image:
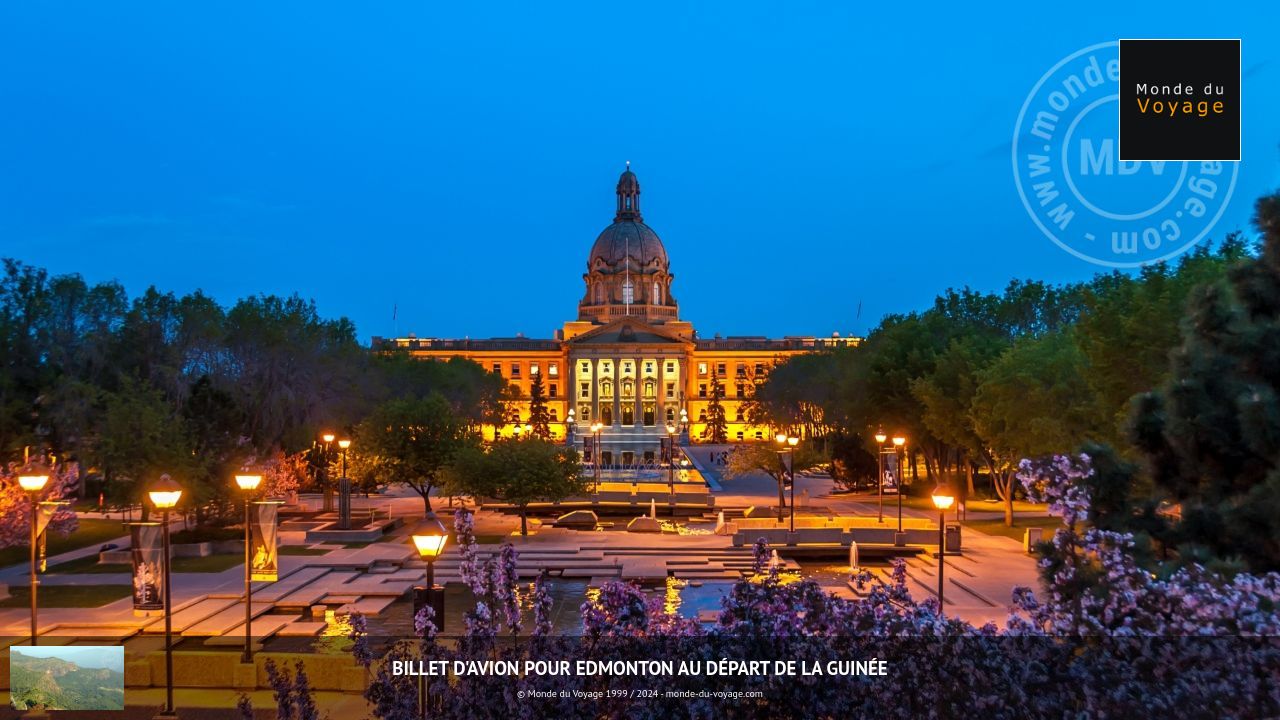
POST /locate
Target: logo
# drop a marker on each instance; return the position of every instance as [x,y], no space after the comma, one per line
[1082,196]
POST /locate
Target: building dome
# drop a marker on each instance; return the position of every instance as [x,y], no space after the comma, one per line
[628,272]
[628,239]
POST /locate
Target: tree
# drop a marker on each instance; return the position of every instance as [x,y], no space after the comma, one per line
[518,472]
[1210,436]
[717,429]
[140,438]
[1033,400]
[748,458]
[412,441]
[539,416]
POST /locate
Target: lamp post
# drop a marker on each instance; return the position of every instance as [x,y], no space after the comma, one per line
[164,496]
[327,499]
[33,483]
[942,501]
[788,451]
[595,431]
[898,442]
[248,483]
[684,425]
[880,438]
[429,539]
[671,466]
[569,421]
[344,489]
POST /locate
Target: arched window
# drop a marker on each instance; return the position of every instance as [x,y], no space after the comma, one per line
[628,388]
[650,389]
[599,290]
[657,293]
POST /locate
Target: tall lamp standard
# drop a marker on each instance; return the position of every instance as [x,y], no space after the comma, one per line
[569,421]
[327,500]
[898,442]
[942,501]
[164,496]
[880,438]
[597,455]
[248,484]
[671,466]
[344,489]
[429,539]
[788,451]
[33,483]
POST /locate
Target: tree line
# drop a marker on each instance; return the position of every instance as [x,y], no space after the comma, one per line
[1168,377]
[162,383]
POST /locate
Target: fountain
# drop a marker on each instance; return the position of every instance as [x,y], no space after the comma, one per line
[775,562]
[720,522]
[853,557]
[653,509]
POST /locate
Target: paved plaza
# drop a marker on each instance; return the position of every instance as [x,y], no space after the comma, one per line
[368,578]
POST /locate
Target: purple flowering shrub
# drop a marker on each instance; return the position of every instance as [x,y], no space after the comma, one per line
[1104,638]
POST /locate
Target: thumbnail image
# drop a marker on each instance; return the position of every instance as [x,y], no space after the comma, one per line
[67,678]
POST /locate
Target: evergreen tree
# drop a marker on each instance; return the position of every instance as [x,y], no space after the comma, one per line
[539,417]
[717,430]
[1211,434]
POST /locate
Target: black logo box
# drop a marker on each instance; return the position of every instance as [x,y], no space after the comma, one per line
[1180,65]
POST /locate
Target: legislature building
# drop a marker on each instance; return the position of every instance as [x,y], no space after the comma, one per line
[628,362]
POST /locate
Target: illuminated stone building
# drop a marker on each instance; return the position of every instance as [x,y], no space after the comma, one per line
[628,361]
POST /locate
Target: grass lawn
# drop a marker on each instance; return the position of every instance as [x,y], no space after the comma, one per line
[90,532]
[68,596]
[301,550]
[996,526]
[974,505]
[208,564]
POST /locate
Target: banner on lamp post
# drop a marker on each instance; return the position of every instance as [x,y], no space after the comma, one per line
[263,550]
[148,565]
[44,515]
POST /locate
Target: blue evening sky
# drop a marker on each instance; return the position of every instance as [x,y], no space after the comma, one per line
[458,159]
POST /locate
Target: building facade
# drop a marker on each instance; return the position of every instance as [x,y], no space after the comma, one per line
[628,362]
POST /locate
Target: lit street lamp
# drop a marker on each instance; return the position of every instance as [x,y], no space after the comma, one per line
[248,483]
[788,456]
[344,489]
[327,497]
[569,421]
[597,455]
[671,466]
[898,442]
[33,483]
[880,438]
[164,496]
[942,501]
[429,539]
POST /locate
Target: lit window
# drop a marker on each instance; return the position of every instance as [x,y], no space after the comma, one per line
[534,368]
[702,369]
[553,369]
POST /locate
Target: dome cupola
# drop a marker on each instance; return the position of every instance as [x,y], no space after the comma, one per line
[628,272]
